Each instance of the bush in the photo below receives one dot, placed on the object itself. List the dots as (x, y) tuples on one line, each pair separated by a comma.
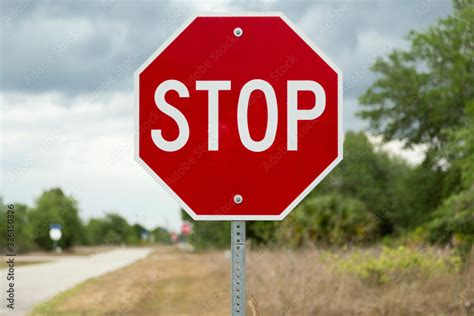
[(262, 232), (399, 195), (162, 236), (393, 263), (111, 230), (330, 219), (453, 222)]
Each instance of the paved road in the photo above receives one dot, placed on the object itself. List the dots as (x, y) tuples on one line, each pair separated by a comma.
[(39, 282)]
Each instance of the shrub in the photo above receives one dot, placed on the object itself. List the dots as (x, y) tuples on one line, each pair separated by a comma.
[(453, 222), (331, 219), (113, 229), (393, 263)]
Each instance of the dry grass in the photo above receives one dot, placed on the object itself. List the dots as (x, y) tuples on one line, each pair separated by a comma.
[(279, 283), (298, 283)]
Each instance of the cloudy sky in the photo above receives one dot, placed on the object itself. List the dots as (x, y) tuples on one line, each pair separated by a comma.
[(66, 86)]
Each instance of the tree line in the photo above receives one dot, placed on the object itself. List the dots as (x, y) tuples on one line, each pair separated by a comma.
[(54, 207)]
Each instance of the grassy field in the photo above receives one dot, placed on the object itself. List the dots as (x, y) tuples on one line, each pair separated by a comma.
[(306, 282)]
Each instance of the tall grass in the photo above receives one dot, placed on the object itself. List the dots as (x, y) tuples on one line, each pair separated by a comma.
[(407, 282)]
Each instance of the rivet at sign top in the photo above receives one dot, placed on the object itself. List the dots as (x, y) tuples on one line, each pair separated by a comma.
[(238, 199), (238, 32)]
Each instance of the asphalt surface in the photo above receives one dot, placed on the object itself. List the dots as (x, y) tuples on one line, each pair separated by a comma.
[(39, 282)]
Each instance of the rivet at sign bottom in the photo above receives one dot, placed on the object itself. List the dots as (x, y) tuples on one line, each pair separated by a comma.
[(238, 199)]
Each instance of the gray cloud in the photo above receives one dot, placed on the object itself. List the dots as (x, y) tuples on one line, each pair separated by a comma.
[(74, 47)]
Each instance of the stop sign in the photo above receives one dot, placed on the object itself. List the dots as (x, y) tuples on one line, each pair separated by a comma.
[(186, 228), (238, 117)]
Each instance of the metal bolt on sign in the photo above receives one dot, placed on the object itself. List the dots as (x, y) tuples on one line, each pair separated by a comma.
[(238, 32), (238, 199), (238, 267)]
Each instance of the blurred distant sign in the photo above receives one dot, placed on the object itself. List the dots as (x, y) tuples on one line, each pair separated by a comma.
[(186, 228), (174, 237), (55, 232), (144, 235), (238, 117)]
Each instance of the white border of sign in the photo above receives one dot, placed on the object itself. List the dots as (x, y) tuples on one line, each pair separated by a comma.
[(240, 217)]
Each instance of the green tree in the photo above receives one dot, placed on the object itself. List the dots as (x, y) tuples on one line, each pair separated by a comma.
[(424, 95), (110, 230), (95, 230), (138, 230), (54, 207), (262, 232), (23, 231), (331, 219), (453, 221), (422, 92), (461, 147), (373, 177), (162, 236)]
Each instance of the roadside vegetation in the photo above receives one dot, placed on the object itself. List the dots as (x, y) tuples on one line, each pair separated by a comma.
[(55, 207), (373, 281)]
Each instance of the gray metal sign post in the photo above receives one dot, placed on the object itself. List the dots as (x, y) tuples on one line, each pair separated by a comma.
[(238, 267)]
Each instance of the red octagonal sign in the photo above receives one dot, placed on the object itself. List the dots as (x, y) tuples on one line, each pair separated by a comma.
[(238, 117)]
